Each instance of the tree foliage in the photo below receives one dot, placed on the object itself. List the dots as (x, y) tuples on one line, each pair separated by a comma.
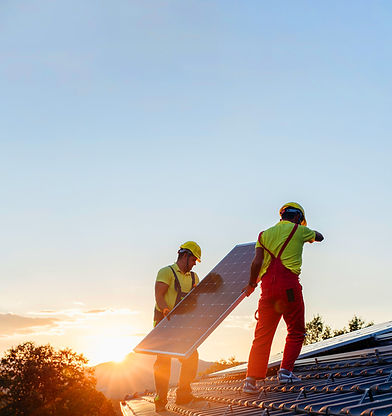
[(38, 380), (316, 330), (358, 323)]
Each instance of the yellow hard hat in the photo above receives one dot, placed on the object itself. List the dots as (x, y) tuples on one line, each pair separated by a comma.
[(296, 206), (193, 247)]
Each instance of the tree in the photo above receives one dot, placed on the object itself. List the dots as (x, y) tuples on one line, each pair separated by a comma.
[(327, 333), (358, 323), (38, 380), (316, 330), (337, 332)]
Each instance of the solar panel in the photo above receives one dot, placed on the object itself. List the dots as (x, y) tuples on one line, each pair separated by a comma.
[(331, 344), (327, 346), (203, 309)]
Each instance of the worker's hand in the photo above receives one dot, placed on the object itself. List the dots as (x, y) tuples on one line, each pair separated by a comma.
[(248, 289), (166, 312)]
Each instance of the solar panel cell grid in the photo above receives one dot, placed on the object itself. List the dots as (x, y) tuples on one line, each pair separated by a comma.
[(201, 311)]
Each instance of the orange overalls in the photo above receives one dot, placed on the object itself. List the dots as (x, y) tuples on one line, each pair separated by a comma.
[(281, 294)]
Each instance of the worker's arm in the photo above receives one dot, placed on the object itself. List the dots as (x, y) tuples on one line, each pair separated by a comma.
[(160, 291), (254, 271), (319, 236)]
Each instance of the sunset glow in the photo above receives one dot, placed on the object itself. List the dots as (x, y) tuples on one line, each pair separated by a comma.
[(110, 348)]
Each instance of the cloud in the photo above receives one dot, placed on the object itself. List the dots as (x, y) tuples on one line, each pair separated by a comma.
[(76, 302), (11, 324), (96, 311), (246, 322), (74, 313), (111, 311), (52, 322)]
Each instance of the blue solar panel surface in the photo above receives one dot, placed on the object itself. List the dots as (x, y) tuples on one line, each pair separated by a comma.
[(203, 309)]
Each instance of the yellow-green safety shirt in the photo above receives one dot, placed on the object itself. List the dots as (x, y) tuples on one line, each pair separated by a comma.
[(166, 275), (275, 237)]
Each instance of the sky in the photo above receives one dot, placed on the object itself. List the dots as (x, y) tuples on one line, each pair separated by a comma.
[(129, 127)]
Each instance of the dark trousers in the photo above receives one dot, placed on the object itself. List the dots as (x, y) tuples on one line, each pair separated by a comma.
[(162, 375)]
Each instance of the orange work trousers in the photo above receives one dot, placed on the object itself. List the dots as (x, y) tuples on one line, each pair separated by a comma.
[(281, 295)]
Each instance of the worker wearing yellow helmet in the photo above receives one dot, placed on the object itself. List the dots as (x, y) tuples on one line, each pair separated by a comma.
[(172, 284), (277, 264), (294, 208)]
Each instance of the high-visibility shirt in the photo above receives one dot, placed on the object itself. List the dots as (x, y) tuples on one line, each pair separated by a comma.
[(166, 275), (274, 238)]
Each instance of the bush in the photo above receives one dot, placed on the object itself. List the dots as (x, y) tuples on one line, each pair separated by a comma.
[(38, 380)]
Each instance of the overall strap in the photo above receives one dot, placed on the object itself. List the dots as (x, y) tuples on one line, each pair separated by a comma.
[(177, 286), (263, 246), (288, 240), (193, 279)]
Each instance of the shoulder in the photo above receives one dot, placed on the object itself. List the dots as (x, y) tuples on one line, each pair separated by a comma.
[(262, 235), (259, 239), (278, 228), (165, 275), (271, 231)]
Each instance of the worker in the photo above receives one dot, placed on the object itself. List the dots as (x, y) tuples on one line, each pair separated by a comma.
[(277, 263), (172, 284)]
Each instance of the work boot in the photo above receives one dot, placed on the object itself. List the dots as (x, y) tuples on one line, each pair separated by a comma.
[(287, 377), (250, 386)]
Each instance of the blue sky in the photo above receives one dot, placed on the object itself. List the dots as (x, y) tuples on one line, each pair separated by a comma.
[(128, 128)]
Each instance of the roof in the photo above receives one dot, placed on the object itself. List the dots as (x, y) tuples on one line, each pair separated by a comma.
[(349, 383)]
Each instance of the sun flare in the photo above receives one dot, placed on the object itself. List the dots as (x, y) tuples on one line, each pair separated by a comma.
[(111, 348)]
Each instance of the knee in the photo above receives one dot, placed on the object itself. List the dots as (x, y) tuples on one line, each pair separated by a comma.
[(162, 363), (192, 359), (297, 334)]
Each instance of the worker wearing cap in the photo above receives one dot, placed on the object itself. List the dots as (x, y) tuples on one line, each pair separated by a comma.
[(172, 284), (277, 263)]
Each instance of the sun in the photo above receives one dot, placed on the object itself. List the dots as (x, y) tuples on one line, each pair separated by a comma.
[(110, 348)]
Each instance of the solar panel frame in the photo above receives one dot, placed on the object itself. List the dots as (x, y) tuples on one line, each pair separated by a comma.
[(219, 275)]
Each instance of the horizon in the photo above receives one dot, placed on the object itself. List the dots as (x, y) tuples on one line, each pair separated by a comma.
[(122, 353)]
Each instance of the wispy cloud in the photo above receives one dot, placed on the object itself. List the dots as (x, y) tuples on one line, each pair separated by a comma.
[(11, 324), (76, 302), (55, 322), (109, 311), (96, 311), (75, 312), (246, 322)]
